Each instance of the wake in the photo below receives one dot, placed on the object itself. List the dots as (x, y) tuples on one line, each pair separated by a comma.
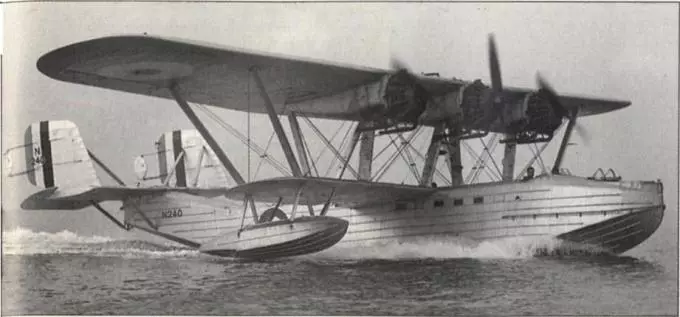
[(507, 248), (23, 241)]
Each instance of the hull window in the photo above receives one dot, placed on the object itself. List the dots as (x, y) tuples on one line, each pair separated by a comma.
[(478, 200), (458, 202), (438, 203)]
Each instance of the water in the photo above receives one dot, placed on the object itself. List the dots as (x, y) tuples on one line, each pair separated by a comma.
[(63, 273)]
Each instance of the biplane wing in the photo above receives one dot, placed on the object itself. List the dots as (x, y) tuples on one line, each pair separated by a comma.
[(53, 198), (316, 191), (221, 77)]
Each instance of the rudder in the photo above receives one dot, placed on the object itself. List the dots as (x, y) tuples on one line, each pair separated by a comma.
[(54, 156), (183, 159)]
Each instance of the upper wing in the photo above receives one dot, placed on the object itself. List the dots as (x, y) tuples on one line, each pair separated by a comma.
[(221, 77), (586, 105), (346, 193), (207, 75)]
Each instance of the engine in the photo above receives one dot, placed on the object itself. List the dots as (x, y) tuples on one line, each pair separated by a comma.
[(536, 116), (403, 102), (530, 117), (475, 107)]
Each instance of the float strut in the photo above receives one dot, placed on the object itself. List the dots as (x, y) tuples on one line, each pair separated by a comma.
[(298, 192)]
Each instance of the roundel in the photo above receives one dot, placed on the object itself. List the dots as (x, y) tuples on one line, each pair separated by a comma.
[(147, 71)]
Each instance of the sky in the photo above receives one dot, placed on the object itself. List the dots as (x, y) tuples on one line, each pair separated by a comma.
[(619, 50)]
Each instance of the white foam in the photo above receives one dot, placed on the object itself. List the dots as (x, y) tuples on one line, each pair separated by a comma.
[(21, 241), (507, 248)]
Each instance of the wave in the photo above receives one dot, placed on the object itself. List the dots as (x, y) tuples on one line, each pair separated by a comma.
[(506, 248), (21, 241)]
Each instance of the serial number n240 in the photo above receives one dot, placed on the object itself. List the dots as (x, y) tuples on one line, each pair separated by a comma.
[(172, 213)]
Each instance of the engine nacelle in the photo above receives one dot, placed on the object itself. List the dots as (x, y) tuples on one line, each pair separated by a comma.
[(403, 102), (534, 114), (475, 107)]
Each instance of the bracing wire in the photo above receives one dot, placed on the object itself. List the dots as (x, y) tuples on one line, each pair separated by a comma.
[(248, 123), (340, 149), (253, 146)]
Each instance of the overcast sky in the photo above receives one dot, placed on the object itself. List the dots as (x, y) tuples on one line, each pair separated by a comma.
[(621, 51)]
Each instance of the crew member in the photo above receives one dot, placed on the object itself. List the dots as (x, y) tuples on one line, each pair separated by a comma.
[(530, 173)]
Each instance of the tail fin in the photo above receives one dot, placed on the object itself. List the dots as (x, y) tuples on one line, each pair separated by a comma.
[(184, 159), (53, 155)]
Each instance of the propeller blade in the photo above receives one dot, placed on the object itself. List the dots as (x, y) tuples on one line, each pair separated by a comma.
[(582, 133), (494, 67), (550, 93)]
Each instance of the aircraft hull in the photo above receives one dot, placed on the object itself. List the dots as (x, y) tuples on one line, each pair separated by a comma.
[(613, 216)]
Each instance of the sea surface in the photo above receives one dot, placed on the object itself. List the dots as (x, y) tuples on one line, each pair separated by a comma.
[(65, 273)]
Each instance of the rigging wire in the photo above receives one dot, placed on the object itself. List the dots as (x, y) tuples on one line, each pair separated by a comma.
[(537, 154), (253, 146), (337, 131), (406, 158), (491, 155), (475, 168), (422, 157), (328, 144), (250, 75), (340, 149), (386, 166)]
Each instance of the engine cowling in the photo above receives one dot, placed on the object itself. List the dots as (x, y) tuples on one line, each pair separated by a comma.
[(403, 102), (475, 107), (536, 115)]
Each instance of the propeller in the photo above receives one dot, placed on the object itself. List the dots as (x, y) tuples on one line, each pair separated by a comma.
[(559, 109)]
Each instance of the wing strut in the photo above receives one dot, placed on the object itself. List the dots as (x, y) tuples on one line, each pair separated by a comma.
[(509, 154), (366, 155), (174, 89), (105, 168), (273, 117), (108, 215), (565, 141), (174, 168)]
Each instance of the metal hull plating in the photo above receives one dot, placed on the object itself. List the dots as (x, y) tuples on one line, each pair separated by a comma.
[(615, 216)]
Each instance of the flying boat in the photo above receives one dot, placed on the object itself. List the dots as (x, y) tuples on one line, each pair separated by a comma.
[(194, 206)]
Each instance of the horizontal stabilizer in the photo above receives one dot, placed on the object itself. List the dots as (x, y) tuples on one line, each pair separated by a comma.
[(315, 191), (53, 198)]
